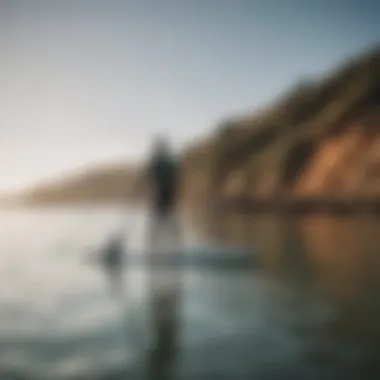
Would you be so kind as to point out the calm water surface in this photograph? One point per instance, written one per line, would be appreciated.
(310, 308)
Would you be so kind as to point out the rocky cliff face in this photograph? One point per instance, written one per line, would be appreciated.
(322, 139)
(346, 165)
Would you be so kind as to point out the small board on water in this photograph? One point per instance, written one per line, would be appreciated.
(200, 258)
(114, 254)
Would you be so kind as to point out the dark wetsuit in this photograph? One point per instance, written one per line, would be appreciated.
(164, 179)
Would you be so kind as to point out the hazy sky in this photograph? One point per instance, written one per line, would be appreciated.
(91, 81)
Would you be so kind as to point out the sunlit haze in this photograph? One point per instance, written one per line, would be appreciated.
(89, 82)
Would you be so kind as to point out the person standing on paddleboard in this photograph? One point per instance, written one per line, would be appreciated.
(163, 179)
(163, 182)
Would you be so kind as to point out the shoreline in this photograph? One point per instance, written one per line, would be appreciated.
(298, 205)
(302, 205)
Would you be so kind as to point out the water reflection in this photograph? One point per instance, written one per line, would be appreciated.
(165, 322)
(334, 258)
(345, 253)
(164, 287)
